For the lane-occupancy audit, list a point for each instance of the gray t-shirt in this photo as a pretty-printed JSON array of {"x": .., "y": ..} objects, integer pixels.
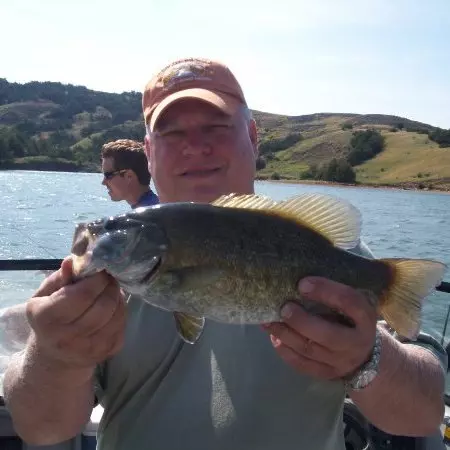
[{"x": 229, "y": 391}]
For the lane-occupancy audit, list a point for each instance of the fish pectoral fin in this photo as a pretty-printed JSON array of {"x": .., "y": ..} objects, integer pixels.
[
  {"x": 334, "y": 218},
  {"x": 414, "y": 279},
  {"x": 189, "y": 327}
]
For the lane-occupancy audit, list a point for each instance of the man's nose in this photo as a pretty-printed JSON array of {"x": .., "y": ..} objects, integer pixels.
[{"x": 196, "y": 142}]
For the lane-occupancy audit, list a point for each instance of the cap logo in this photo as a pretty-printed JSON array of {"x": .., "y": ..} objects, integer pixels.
[{"x": 185, "y": 71}]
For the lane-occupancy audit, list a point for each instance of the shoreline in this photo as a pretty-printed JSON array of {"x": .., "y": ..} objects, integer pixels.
[
  {"x": 405, "y": 186},
  {"x": 57, "y": 166}
]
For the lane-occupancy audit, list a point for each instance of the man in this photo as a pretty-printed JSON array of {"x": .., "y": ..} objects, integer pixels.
[
  {"x": 278, "y": 386},
  {"x": 125, "y": 173}
]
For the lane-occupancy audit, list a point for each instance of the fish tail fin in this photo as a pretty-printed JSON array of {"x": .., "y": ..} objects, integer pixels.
[{"x": 414, "y": 279}]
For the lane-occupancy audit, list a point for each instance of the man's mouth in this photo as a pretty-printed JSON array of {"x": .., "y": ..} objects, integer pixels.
[{"x": 200, "y": 173}]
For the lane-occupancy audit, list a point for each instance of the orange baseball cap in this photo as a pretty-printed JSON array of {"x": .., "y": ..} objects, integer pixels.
[{"x": 200, "y": 78}]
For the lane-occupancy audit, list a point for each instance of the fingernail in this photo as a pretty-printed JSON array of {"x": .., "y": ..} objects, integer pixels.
[
  {"x": 275, "y": 341},
  {"x": 286, "y": 311},
  {"x": 306, "y": 286}
]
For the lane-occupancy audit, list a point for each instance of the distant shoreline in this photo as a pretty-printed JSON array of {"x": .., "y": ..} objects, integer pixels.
[
  {"x": 55, "y": 165},
  {"x": 58, "y": 166},
  {"x": 406, "y": 186}
]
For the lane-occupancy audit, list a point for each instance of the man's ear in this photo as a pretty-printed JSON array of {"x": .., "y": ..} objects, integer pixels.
[
  {"x": 253, "y": 133},
  {"x": 147, "y": 145},
  {"x": 130, "y": 175},
  {"x": 147, "y": 150}
]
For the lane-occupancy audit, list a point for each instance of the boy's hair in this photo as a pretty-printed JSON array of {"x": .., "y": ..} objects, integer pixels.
[{"x": 128, "y": 154}]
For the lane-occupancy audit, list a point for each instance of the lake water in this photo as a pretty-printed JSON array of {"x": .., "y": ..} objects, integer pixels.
[{"x": 40, "y": 210}]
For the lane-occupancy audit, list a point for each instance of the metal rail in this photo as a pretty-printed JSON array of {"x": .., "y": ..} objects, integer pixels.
[{"x": 54, "y": 264}]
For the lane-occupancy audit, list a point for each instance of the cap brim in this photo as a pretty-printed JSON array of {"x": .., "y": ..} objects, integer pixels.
[{"x": 224, "y": 102}]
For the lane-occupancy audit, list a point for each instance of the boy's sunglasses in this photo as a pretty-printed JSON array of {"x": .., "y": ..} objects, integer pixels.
[{"x": 113, "y": 173}]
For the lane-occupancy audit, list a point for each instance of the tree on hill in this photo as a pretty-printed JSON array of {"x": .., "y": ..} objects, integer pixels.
[
  {"x": 13, "y": 144},
  {"x": 337, "y": 170},
  {"x": 279, "y": 144},
  {"x": 347, "y": 126},
  {"x": 6, "y": 152},
  {"x": 364, "y": 145},
  {"x": 440, "y": 136},
  {"x": 261, "y": 163},
  {"x": 73, "y": 99}
]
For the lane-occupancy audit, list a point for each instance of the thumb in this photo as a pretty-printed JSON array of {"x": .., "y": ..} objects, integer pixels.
[
  {"x": 66, "y": 271},
  {"x": 58, "y": 279}
]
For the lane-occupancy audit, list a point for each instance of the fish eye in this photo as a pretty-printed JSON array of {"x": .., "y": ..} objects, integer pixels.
[
  {"x": 110, "y": 224},
  {"x": 95, "y": 227}
]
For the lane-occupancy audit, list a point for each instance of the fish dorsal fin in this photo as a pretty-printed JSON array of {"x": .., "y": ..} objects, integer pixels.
[
  {"x": 245, "y": 201},
  {"x": 335, "y": 219}
]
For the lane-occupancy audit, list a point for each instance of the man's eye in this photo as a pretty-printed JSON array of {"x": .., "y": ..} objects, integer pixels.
[{"x": 171, "y": 133}]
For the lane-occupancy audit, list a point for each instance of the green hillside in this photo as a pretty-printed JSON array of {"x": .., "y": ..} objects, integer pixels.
[
  {"x": 409, "y": 157},
  {"x": 52, "y": 126}
]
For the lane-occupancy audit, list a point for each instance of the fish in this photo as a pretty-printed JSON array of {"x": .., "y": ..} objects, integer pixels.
[{"x": 239, "y": 259}]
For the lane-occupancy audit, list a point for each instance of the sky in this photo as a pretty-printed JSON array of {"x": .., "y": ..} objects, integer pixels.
[{"x": 291, "y": 57}]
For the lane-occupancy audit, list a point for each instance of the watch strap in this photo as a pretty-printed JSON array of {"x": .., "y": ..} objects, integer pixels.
[{"x": 369, "y": 370}]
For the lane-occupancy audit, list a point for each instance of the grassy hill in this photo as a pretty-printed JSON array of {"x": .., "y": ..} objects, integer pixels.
[
  {"x": 409, "y": 159},
  {"x": 62, "y": 127}
]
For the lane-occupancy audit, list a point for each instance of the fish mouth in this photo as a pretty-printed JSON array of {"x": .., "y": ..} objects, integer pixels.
[
  {"x": 153, "y": 271},
  {"x": 81, "y": 241}
]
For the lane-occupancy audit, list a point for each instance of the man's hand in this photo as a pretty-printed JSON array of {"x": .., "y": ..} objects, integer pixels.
[
  {"x": 317, "y": 347},
  {"x": 77, "y": 325},
  {"x": 74, "y": 326}
]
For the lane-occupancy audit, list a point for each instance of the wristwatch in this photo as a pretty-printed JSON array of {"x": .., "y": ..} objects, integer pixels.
[{"x": 367, "y": 373}]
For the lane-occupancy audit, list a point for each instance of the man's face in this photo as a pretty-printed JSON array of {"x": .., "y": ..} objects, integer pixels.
[
  {"x": 198, "y": 153},
  {"x": 115, "y": 182}
]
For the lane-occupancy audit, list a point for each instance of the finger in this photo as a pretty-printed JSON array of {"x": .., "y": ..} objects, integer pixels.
[
  {"x": 302, "y": 363},
  {"x": 329, "y": 335},
  {"x": 340, "y": 297},
  {"x": 68, "y": 303},
  {"x": 93, "y": 348},
  {"x": 109, "y": 339},
  {"x": 66, "y": 271},
  {"x": 56, "y": 280},
  {"x": 113, "y": 333},
  {"x": 73, "y": 300},
  {"x": 299, "y": 343},
  {"x": 100, "y": 312}
]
